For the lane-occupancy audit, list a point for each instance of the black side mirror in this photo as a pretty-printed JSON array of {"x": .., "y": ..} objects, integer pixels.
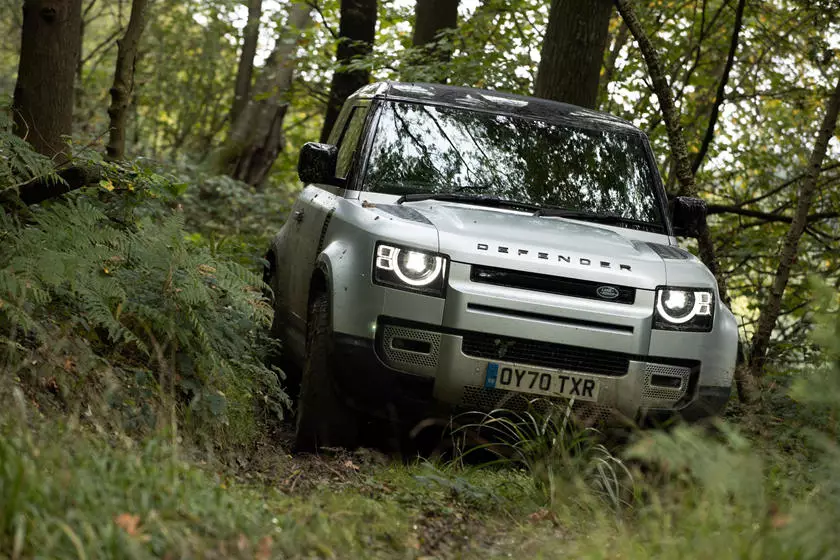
[
  {"x": 688, "y": 215},
  {"x": 316, "y": 164}
]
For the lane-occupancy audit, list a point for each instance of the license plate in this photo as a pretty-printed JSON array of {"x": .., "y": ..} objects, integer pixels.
[{"x": 551, "y": 383}]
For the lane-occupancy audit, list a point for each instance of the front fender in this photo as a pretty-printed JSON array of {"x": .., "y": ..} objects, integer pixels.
[
  {"x": 357, "y": 302},
  {"x": 347, "y": 272}
]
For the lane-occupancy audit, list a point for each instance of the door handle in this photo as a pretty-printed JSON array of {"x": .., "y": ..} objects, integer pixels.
[{"x": 298, "y": 216}]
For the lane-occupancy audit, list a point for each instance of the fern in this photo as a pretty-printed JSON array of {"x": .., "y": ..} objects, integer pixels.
[
  {"x": 19, "y": 163},
  {"x": 116, "y": 270}
]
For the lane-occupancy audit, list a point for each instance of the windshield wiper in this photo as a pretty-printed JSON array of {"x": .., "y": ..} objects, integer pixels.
[
  {"x": 464, "y": 188},
  {"x": 606, "y": 218},
  {"x": 482, "y": 200}
]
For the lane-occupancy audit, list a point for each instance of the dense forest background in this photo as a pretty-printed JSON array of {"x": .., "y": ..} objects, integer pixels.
[{"x": 148, "y": 151}]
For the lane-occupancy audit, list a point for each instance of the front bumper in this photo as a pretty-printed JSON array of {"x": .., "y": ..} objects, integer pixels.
[
  {"x": 447, "y": 343},
  {"x": 414, "y": 370}
]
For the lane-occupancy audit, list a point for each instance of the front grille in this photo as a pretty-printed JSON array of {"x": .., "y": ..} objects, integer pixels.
[
  {"x": 483, "y": 399},
  {"x": 553, "y": 284},
  {"x": 545, "y": 354}
]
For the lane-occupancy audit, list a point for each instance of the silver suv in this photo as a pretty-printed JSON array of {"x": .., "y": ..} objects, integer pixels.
[{"x": 459, "y": 248}]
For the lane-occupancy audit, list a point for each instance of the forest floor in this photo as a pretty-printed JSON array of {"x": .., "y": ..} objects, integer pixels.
[
  {"x": 89, "y": 496},
  {"x": 78, "y": 490}
]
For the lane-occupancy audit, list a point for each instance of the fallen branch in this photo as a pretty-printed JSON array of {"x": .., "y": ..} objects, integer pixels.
[{"x": 43, "y": 188}]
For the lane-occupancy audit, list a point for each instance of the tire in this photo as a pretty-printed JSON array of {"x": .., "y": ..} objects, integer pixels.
[{"x": 323, "y": 418}]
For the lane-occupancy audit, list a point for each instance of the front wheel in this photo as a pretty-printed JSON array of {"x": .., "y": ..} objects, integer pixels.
[{"x": 323, "y": 418}]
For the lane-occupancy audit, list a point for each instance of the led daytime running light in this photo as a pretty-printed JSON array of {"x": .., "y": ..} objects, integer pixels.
[
  {"x": 702, "y": 306},
  {"x": 387, "y": 258}
]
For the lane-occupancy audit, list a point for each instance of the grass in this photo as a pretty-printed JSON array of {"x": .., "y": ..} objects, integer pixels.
[{"x": 70, "y": 491}]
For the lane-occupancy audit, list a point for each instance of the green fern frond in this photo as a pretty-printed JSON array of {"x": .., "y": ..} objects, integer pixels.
[{"x": 19, "y": 163}]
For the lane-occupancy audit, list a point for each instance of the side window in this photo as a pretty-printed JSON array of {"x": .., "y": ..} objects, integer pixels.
[{"x": 349, "y": 140}]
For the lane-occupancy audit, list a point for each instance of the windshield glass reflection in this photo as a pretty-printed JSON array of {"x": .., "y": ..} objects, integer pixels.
[{"x": 428, "y": 149}]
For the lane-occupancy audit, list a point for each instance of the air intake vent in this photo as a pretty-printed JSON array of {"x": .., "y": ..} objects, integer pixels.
[
  {"x": 553, "y": 284},
  {"x": 664, "y": 384},
  {"x": 669, "y": 252},
  {"x": 546, "y": 354},
  {"x": 410, "y": 350}
]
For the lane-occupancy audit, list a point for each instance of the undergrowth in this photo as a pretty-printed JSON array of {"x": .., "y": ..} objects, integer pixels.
[{"x": 108, "y": 304}]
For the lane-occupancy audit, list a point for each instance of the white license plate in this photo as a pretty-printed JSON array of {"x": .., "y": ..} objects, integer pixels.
[{"x": 551, "y": 383}]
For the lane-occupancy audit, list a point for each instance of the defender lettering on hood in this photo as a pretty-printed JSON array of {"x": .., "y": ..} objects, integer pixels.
[{"x": 560, "y": 258}]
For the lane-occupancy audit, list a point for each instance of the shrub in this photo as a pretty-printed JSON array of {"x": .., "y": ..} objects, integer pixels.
[{"x": 104, "y": 293}]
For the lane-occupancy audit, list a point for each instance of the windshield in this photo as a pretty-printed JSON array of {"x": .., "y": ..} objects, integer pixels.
[{"x": 429, "y": 149}]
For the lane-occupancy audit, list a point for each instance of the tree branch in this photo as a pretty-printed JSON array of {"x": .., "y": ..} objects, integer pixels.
[
  {"x": 789, "y": 252},
  {"x": 106, "y": 43},
  {"x": 721, "y": 89},
  {"x": 43, "y": 188},
  {"x": 766, "y": 216},
  {"x": 314, "y": 5},
  {"x": 679, "y": 152},
  {"x": 785, "y": 185}
]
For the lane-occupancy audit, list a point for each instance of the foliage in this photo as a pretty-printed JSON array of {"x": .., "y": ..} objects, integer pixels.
[
  {"x": 108, "y": 284},
  {"x": 784, "y": 65},
  {"x": 66, "y": 494},
  {"x": 729, "y": 494},
  {"x": 18, "y": 162},
  {"x": 230, "y": 217},
  {"x": 139, "y": 301}
]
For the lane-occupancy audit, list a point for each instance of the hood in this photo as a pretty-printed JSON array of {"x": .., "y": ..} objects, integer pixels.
[{"x": 545, "y": 245}]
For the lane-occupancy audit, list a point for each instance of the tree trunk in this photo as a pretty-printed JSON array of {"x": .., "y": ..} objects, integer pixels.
[
  {"x": 124, "y": 79},
  {"x": 244, "y": 74},
  {"x": 431, "y": 17},
  {"x": 256, "y": 136},
  {"x": 356, "y": 34},
  {"x": 679, "y": 152},
  {"x": 807, "y": 192},
  {"x": 43, "y": 99},
  {"x": 573, "y": 51}
]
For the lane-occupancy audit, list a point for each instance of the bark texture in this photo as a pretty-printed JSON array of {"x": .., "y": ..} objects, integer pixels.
[
  {"x": 256, "y": 136},
  {"x": 721, "y": 89},
  {"x": 679, "y": 152},
  {"x": 573, "y": 51},
  {"x": 356, "y": 34},
  {"x": 245, "y": 71},
  {"x": 430, "y": 18},
  {"x": 787, "y": 256},
  {"x": 123, "y": 85},
  {"x": 49, "y": 54}
]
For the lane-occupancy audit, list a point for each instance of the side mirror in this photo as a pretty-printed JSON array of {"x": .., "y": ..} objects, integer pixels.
[
  {"x": 316, "y": 163},
  {"x": 688, "y": 215}
]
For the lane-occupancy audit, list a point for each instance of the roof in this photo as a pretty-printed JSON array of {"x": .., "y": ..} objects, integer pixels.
[{"x": 492, "y": 101}]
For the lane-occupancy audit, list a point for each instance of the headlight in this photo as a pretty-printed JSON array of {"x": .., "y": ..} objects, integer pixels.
[
  {"x": 410, "y": 269},
  {"x": 684, "y": 309}
]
